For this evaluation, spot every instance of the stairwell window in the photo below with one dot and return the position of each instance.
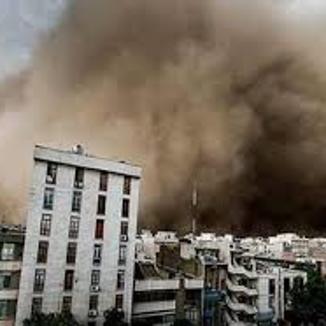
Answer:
(121, 280)
(124, 231)
(51, 173)
(71, 253)
(36, 306)
(97, 254)
(48, 198)
(42, 254)
(74, 227)
(95, 277)
(39, 280)
(126, 185)
(103, 181)
(45, 227)
(66, 304)
(122, 254)
(79, 178)
(69, 280)
(101, 204)
(93, 302)
(76, 201)
(99, 229)
(125, 207)
(119, 301)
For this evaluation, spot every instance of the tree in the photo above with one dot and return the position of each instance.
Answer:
(52, 319)
(114, 317)
(308, 301)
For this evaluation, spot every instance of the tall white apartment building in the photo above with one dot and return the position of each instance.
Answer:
(80, 239)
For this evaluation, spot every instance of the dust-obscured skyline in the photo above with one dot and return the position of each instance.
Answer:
(229, 94)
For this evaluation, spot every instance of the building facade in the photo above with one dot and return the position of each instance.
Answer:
(80, 238)
(11, 251)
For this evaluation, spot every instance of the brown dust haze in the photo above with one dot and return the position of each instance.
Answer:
(228, 93)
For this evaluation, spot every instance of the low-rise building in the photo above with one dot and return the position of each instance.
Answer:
(160, 298)
(11, 252)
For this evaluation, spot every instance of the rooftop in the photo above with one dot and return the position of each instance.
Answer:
(78, 157)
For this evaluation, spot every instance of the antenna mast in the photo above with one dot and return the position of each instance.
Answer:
(194, 208)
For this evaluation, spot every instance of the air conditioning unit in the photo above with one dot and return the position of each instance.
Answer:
(49, 179)
(95, 288)
(79, 184)
(92, 313)
(123, 237)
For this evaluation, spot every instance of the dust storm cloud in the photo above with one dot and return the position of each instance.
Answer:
(226, 93)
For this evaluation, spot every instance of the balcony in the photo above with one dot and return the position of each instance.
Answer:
(158, 307)
(240, 270)
(194, 283)
(240, 288)
(235, 322)
(152, 285)
(8, 294)
(10, 265)
(236, 306)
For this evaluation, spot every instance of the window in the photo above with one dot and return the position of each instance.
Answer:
(95, 277)
(126, 185)
(286, 285)
(76, 201)
(39, 280)
(298, 282)
(5, 280)
(79, 178)
(101, 201)
(119, 301)
(103, 181)
(71, 253)
(271, 286)
(74, 227)
(7, 309)
(45, 227)
(121, 280)
(93, 302)
(151, 296)
(99, 229)
(51, 173)
(48, 198)
(42, 254)
(8, 251)
(69, 280)
(124, 231)
(66, 304)
(125, 207)
(122, 254)
(36, 306)
(97, 255)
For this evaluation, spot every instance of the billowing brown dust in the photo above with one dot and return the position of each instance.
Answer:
(225, 92)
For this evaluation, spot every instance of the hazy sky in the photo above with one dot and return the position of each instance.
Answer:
(22, 22)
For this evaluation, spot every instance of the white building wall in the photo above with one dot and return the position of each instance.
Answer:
(58, 240)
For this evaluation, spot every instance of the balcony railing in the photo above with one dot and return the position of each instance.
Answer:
(240, 270)
(237, 306)
(240, 288)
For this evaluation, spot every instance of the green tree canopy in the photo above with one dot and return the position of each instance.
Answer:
(114, 317)
(52, 319)
(182, 322)
(309, 301)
